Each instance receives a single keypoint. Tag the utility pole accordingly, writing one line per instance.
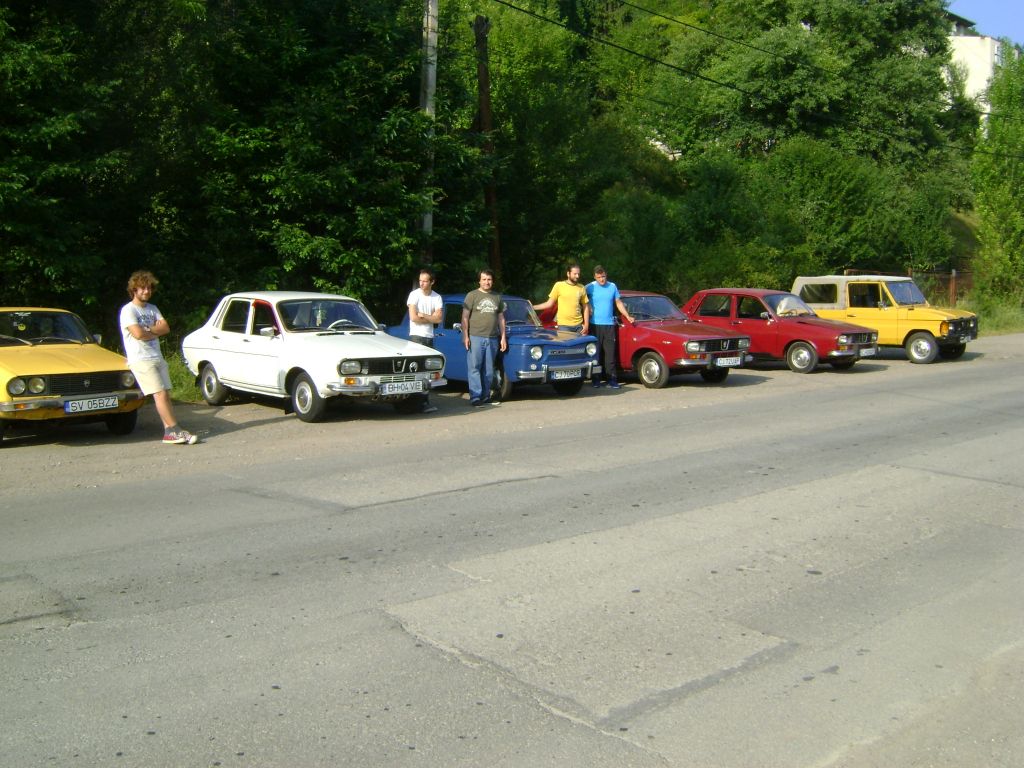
(428, 85)
(481, 28)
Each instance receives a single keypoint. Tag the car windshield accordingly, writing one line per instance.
(788, 305)
(520, 312)
(325, 315)
(905, 292)
(652, 308)
(40, 326)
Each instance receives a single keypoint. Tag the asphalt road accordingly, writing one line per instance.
(785, 570)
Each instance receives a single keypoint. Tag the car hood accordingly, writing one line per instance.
(59, 358)
(835, 326)
(359, 344)
(686, 328)
(524, 334)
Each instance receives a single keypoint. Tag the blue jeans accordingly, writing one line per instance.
(573, 328)
(480, 362)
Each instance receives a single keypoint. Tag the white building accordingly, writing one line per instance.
(978, 55)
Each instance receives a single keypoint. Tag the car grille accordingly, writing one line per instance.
(860, 338)
(395, 365)
(557, 352)
(723, 345)
(963, 326)
(385, 379)
(85, 383)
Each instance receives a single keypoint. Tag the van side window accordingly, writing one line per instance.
(865, 294)
(819, 293)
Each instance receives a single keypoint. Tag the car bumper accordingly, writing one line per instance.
(548, 373)
(854, 352)
(362, 386)
(70, 406)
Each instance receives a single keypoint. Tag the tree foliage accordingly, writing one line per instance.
(230, 145)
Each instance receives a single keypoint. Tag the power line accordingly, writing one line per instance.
(752, 94)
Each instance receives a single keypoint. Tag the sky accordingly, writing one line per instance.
(995, 18)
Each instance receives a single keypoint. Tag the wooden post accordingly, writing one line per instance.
(428, 85)
(481, 28)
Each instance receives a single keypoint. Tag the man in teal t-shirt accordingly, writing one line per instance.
(604, 300)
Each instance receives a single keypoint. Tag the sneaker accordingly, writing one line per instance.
(596, 383)
(475, 403)
(429, 409)
(180, 437)
(613, 384)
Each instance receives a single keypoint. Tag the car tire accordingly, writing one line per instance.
(567, 388)
(921, 348)
(652, 371)
(714, 375)
(842, 365)
(306, 401)
(122, 423)
(213, 392)
(952, 351)
(801, 357)
(501, 387)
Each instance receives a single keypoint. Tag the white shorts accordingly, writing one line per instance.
(152, 375)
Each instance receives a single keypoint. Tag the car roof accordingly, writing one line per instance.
(640, 293)
(760, 292)
(860, 278)
(35, 309)
(274, 296)
(453, 298)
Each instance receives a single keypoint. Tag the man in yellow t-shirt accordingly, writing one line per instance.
(571, 298)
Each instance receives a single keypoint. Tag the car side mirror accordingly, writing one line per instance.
(98, 338)
(268, 331)
(766, 316)
(456, 326)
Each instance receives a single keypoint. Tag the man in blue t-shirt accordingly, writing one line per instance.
(604, 300)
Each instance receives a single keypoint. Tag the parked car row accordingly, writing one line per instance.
(307, 348)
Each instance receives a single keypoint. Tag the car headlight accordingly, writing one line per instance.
(744, 344)
(874, 337)
(536, 353)
(693, 346)
(16, 386)
(349, 367)
(37, 385)
(434, 363)
(843, 339)
(591, 349)
(127, 380)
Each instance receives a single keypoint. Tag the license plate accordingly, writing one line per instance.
(92, 404)
(401, 387)
(867, 352)
(727, 362)
(568, 373)
(964, 339)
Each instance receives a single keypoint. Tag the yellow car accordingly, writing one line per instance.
(52, 369)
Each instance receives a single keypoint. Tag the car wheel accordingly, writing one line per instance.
(921, 347)
(501, 387)
(714, 375)
(306, 401)
(568, 388)
(212, 390)
(842, 365)
(122, 423)
(952, 352)
(652, 370)
(801, 357)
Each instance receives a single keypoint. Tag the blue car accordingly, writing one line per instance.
(535, 354)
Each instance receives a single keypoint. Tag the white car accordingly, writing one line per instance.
(307, 348)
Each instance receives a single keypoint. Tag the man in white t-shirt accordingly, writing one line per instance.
(425, 311)
(141, 326)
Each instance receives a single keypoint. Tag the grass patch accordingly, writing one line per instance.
(183, 383)
(996, 316)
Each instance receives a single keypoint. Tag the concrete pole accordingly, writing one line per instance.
(428, 85)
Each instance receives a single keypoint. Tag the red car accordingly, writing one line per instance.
(662, 341)
(782, 327)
